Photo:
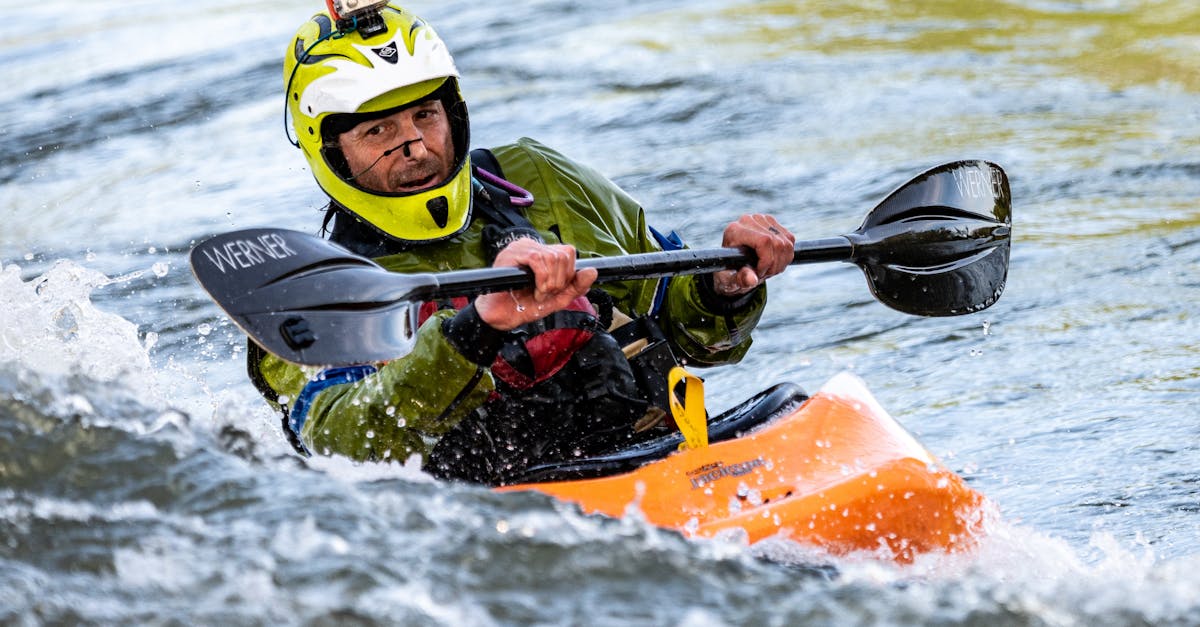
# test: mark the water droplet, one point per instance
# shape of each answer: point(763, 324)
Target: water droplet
point(370, 435)
point(65, 320)
point(204, 328)
point(79, 405)
point(161, 269)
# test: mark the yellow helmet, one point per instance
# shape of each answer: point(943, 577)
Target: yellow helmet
point(331, 72)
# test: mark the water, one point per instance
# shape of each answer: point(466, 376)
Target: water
point(141, 481)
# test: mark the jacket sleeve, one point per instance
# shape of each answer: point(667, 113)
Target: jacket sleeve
point(394, 412)
point(703, 327)
point(706, 328)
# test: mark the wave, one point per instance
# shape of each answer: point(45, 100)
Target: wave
point(134, 510)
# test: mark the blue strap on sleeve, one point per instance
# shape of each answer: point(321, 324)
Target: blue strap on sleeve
point(323, 381)
point(671, 241)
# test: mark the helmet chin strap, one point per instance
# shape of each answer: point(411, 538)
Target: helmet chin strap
point(401, 146)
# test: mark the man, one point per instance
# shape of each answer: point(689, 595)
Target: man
point(512, 379)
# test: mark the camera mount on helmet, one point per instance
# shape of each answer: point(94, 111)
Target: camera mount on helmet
point(361, 15)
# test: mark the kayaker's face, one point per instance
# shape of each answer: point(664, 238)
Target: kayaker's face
point(421, 149)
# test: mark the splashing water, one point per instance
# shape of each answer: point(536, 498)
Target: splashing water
point(51, 326)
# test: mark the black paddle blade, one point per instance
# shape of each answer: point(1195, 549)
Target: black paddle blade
point(939, 245)
point(308, 300)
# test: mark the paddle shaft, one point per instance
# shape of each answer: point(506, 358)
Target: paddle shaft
point(937, 246)
point(630, 267)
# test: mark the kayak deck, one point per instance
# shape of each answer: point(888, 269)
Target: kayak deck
point(834, 471)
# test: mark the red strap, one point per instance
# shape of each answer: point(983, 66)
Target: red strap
point(332, 11)
point(429, 308)
point(549, 351)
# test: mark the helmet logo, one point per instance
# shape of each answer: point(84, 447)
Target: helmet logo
point(388, 53)
point(439, 210)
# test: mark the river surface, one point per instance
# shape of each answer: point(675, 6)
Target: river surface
point(142, 481)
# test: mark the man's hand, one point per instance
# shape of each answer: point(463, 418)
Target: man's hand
point(556, 284)
point(772, 244)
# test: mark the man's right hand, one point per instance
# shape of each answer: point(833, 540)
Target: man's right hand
point(556, 284)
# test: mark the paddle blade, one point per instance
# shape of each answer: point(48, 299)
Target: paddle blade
point(308, 300)
point(939, 245)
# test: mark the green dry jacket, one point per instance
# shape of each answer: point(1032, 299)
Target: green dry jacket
point(402, 408)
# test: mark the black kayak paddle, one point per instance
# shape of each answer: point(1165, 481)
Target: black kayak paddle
point(937, 246)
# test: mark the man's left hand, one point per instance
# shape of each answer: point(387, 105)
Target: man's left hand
point(772, 244)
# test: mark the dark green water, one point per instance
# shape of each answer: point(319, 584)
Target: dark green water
point(141, 482)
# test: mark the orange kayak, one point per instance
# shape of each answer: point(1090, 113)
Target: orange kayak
point(834, 471)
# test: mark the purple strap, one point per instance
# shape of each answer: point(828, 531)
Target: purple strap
point(518, 196)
